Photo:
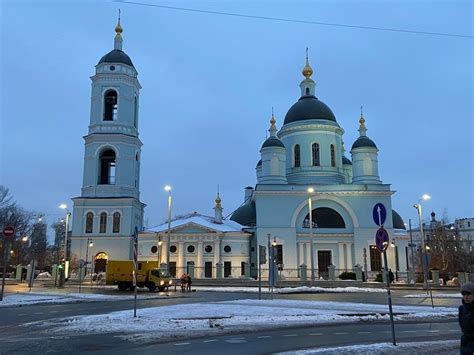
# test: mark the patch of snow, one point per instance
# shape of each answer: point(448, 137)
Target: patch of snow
point(420, 347)
point(201, 319)
point(286, 290)
point(43, 276)
point(435, 295)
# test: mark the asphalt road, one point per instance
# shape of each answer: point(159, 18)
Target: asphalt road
point(16, 338)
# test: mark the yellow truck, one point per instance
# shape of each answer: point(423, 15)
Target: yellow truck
point(120, 273)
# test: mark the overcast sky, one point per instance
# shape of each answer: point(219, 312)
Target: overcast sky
point(209, 82)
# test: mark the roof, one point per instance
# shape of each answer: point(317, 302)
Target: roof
point(259, 162)
point(346, 161)
point(246, 214)
point(363, 141)
point(196, 218)
point(309, 108)
point(273, 142)
point(116, 56)
point(397, 220)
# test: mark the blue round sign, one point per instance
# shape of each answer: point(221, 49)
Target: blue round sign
point(379, 213)
point(381, 239)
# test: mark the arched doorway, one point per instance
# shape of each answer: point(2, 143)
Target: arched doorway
point(100, 262)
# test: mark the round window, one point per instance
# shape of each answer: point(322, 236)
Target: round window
point(208, 248)
point(227, 249)
point(154, 249)
point(112, 67)
point(173, 248)
point(191, 249)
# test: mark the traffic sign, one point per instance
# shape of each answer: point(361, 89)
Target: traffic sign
point(381, 239)
point(379, 213)
point(8, 232)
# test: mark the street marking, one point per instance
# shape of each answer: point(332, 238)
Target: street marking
point(179, 344)
point(236, 341)
point(386, 331)
point(38, 313)
point(53, 311)
point(317, 333)
point(453, 330)
point(409, 331)
point(23, 314)
point(341, 333)
point(290, 335)
point(264, 336)
point(209, 341)
point(363, 332)
point(433, 331)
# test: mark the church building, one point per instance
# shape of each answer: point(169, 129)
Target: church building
point(311, 203)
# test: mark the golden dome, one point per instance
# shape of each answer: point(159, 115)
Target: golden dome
point(362, 119)
point(118, 28)
point(307, 70)
point(218, 201)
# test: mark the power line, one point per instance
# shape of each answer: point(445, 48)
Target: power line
point(386, 29)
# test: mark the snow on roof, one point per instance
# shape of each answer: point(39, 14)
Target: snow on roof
point(199, 219)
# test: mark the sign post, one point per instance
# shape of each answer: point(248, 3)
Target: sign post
point(8, 233)
point(135, 264)
point(262, 259)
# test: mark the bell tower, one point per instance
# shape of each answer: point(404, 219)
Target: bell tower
point(109, 207)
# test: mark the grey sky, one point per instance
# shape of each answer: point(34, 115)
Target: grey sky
point(209, 83)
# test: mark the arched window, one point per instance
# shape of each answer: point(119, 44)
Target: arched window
point(333, 156)
point(107, 167)
point(297, 156)
point(307, 91)
point(89, 222)
point(324, 217)
point(135, 113)
point(315, 151)
point(110, 106)
point(103, 222)
point(116, 223)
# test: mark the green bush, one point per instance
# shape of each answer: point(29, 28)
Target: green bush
point(348, 276)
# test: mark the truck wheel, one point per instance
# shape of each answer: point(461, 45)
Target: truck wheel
point(151, 286)
point(161, 288)
point(131, 288)
point(122, 286)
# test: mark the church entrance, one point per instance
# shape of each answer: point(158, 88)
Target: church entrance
point(100, 262)
point(227, 268)
point(324, 260)
point(208, 269)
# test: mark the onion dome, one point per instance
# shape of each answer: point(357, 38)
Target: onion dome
point(363, 140)
point(397, 221)
point(273, 140)
point(346, 161)
point(259, 163)
point(117, 55)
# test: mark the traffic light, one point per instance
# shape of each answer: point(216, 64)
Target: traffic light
point(262, 254)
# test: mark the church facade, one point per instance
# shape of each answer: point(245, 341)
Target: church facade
point(311, 203)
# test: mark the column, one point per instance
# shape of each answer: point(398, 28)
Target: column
point(200, 266)
point(180, 264)
point(307, 255)
point(164, 250)
point(349, 255)
point(301, 259)
point(341, 256)
point(217, 259)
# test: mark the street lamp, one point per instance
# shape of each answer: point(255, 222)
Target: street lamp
point(66, 263)
point(158, 250)
point(90, 243)
point(310, 208)
point(168, 188)
point(424, 197)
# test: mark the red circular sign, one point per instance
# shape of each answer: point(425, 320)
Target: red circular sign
point(8, 231)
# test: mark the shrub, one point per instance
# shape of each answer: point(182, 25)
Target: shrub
point(348, 276)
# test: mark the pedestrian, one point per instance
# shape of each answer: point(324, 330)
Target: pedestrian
point(390, 275)
point(466, 319)
point(188, 283)
point(183, 282)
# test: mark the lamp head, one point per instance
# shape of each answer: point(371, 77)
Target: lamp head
point(63, 206)
point(392, 244)
point(24, 238)
point(168, 188)
point(425, 197)
point(159, 243)
point(91, 243)
point(310, 190)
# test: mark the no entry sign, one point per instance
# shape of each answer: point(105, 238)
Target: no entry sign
point(8, 232)
point(381, 239)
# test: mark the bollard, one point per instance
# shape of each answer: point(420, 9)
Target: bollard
point(435, 277)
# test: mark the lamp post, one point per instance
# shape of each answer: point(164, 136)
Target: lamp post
point(425, 197)
point(168, 188)
point(158, 250)
point(89, 243)
point(310, 208)
point(65, 268)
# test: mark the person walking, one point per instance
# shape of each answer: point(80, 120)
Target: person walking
point(188, 283)
point(466, 319)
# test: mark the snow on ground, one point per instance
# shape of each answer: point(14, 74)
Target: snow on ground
point(216, 318)
point(435, 295)
point(20, 299)
point(423, 347)
point(303, 289)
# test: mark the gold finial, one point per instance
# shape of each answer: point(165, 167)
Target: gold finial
point(362, 119)
point(118, 28)
point(218, 201)
point(272, 121)
point(307, 70)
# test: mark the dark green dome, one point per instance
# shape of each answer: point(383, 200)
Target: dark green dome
point(245, 215)
point(363, 141)
point(397, 221)
point(116, 56)
point(309, 108)
point(346, 161)
point(273, 142)
point(259, 162)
